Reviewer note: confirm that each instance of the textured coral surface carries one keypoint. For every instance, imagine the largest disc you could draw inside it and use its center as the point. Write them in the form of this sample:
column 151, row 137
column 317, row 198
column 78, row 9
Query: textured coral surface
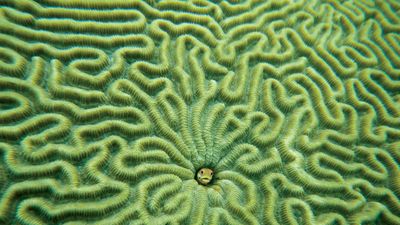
column 109, row 108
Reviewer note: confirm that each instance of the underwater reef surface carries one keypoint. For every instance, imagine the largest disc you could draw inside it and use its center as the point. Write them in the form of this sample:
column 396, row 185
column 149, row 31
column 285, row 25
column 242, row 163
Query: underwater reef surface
column 108, row 109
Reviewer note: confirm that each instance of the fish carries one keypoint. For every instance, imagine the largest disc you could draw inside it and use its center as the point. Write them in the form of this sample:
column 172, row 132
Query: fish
column 204, row 176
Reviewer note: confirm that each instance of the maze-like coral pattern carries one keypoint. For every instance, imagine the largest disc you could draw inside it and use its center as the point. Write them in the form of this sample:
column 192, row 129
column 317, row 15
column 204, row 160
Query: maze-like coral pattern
column 108, row 108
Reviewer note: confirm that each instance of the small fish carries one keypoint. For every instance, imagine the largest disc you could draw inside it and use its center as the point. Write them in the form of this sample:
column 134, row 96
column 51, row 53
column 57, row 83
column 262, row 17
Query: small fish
column 204, row 176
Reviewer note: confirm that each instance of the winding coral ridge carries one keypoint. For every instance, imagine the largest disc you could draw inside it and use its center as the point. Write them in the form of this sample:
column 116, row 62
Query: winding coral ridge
column 108, row 109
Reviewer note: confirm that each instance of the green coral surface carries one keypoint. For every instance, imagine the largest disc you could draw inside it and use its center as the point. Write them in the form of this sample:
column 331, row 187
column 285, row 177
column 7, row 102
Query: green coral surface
column 108, row 109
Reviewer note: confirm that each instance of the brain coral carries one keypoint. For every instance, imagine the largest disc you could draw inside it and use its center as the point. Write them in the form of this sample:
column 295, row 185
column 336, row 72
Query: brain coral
column 109, row 108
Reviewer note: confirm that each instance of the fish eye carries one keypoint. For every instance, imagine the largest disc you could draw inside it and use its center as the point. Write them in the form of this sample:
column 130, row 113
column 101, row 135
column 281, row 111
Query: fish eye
column 201, row 171
column 212, row 173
